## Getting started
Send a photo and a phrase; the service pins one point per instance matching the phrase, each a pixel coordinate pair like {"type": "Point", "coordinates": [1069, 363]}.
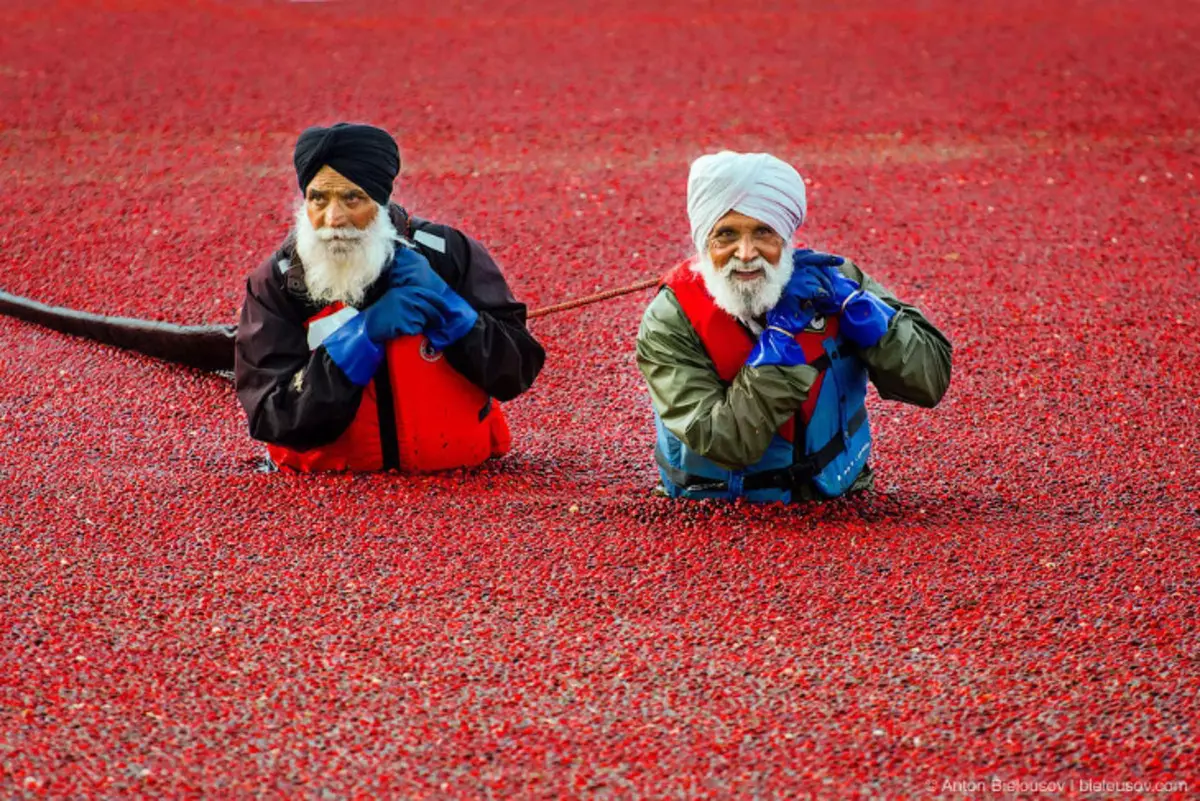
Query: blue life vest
{"type": "Point", "coordinates": [826, 445]}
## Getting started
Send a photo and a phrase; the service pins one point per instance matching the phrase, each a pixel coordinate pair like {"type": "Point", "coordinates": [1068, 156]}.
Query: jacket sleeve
{"type": "Point", "coordinates": [292, 396]}
{"type": "Point", "coordinates": [912, 361]}
{"type": "Point", "coordinates": [498, 354]}
{"type": "Point", "coordinates": [729, 424]}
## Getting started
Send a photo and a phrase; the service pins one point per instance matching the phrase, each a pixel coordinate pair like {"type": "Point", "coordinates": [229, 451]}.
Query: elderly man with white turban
{"type": "Point", "coordinates": [757, 354]}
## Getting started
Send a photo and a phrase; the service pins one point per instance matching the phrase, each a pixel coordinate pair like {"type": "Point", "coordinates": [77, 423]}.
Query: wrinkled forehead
{"type": "Point", "coordinates": [735, 220]}
{"type": "Point", "coordinates": [328, 179]}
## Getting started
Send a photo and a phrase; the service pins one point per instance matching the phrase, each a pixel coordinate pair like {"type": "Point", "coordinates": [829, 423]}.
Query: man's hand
{"type": "Point", "coordinates": [410, 269]}
{"type": "Point", "coordinates": [864, 317]}
{"type": "Point", "coordinates": [807, 286]}
{"type": "Point", "coordinates": [815, 258]}
{"type": "Point", "coordinates": [356, 346]}
{"type": "Point", "coordinates": [816, 278]}
{"type": "Point", "coordinates": [352, 350]}
{"type": "Point", "coordinates": [840, 289]}
{"type": "Point", "coordinates": [400, 312]}
{"type": "Point", "coordinates": [777, 344]}
{"type": "Point", "coordinates": [450, 317]}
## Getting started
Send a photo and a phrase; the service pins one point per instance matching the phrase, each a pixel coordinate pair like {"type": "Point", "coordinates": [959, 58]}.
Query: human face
{"type": "Point", "coordinates": [736, 235]}
{"type": "Point", "coordinates": [333, 201]}
{"type": "Point", "coordinates": [341, 263]}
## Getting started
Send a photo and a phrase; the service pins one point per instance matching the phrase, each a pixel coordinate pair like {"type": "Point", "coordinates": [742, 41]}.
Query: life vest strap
{"type": "Point", "coordinates": [822, 362]}
{"type": "Point", "coordinates": [787, 478]}
{"type": "Point", "coordinates": [805, 470]}
{"type": "Point", "coordinates": [684, 479]}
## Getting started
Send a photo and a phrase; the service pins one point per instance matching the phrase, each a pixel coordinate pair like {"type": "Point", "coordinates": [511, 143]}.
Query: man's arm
{"type": "Point", "coordinates": [912, 361]}
{"type": "Point", "coordinates": [292, 396]}
{"type": "Point", "coordinates": [731, 425]}
{"type": "Point", "coordinates": [498, 354]}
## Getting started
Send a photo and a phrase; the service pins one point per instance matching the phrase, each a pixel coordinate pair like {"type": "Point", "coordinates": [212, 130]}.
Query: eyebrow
{"type": "Point", "coordinates": [313, 194]}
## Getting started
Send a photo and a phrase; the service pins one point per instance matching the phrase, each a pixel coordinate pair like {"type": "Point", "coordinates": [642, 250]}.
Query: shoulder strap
{"type": "Point", "coordinates": [726, 341]}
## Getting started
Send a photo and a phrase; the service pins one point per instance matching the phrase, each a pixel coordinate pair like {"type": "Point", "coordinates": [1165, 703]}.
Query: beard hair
{"type": "Point", "coordinates": [341, 264]}
{"type": "Point", "coordinates": [746, 300]}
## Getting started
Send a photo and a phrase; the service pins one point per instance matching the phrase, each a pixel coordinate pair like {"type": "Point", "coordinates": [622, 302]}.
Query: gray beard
{"type": "Point", "coordinates": [746, 300]}
{"type": "Point", "coordinates": [341, 264]}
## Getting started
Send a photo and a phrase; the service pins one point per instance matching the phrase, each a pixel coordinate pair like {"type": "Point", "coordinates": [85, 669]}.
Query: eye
{"type": "Point", "coordinates": [316, 200]}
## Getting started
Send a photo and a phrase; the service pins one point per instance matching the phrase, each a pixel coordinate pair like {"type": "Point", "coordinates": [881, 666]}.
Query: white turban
{"type": "Point", "coordinates": [755, 184]}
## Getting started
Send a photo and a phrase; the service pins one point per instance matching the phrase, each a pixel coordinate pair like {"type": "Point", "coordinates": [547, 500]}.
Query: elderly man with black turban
{"type": "Point", "coordinates": [758, 354]}
{"type": "Point", "coordinates": [372, 339]}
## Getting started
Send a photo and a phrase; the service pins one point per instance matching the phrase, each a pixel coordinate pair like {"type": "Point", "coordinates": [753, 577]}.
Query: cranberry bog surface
{"type": "Point", "coordinates": [1012, 611]}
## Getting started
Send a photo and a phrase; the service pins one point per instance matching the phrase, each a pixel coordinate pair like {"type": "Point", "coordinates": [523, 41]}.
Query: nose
{"type": "Point", "coordinates": [335, 215]}
{"type": "Point", "coordinates": [746, 250]}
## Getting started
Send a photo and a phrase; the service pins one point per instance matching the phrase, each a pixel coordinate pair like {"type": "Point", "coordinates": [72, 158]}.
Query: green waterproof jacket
{"type": "Point", "coordinates": [732, 424]}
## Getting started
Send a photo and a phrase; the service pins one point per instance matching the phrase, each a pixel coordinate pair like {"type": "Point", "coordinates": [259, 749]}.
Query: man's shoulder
{"type": "Point", "coordinates": [278, 281]}
{"type": "Point", "coordinates": [664, 316]}
{"type": "Point", "coordinates": [442, 239]}
{"type": "Point", "coordinates": [272, 271]}
{"type": "Point", "coordinates": [664, 305]}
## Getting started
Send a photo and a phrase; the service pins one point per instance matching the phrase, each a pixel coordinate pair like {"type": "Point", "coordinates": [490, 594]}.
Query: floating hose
{"type": "Point", "coordinates": [205, 347]}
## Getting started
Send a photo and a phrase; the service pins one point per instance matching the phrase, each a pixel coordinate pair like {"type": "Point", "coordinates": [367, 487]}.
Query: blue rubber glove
{"type": "Point", "coordinates": [400, 312]}
{"type": "Point", "coordinates": [840, 288]}
{"type": "Point", "coordinates": [809, 283]}
{"type": "Point", "coordinates": [452, 316]}
{"type": "Point", "coordinates": [865, 319]}
{"type": "Point", "coordinates": [814, 258]}
{"type": "Point", "coordinates": [453, 320]}
{"type": "Point", "coordinates": [411, 269]}
{"type": "Point", "coordinates": [353, 351]}
{"type": "Point", "coordinates": [804, 289]}
{"type": "Point", "coordinates": [777, 344]}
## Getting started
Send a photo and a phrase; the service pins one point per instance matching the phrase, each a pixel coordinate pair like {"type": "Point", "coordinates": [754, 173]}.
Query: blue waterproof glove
{"type": "Point", "coordinates": [399, 313]}
{"type": "Point", "coordinates": [409, 268]}
{"type": "Point", "coordinates": [840, 288]}
{"type": "Point", "coordinates": [353, 351]}
{"type": "Point", "coordinates": [814, 258]}
{"type": "Point", "coordinates": [455, 318]}
{"type": "Point", "coordinates": [804, 290]}
{"type": "Point", "coordinates": [777, 344]}
{"type": "Point", "coordinates": [865, 319]}
{"type": "Point", "coordinates": [452, 317]}
{"type": "Point", "coordinates": [808, 287]}
{"type": "Point", "coordinates": [813, 281]}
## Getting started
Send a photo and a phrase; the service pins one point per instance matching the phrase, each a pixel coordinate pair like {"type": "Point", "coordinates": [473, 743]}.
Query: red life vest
{"type": "Point", "coordinates": [729, 343]}
{"type": "Point", "coordinates": [442, 420]}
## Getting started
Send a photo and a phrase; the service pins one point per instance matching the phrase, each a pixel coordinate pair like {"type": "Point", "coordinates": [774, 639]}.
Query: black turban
{"type": "Point", "coordinates": [364, 154]}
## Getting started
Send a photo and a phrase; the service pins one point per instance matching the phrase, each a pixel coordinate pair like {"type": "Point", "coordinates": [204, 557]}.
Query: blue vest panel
{"type": "Point", "coordinates": [838, 426]}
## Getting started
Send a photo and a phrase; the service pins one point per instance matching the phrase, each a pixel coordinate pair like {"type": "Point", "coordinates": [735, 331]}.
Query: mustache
{"type": "Point", "coordinates": [347, 234]}
{"type": "Point", "coordinates": [736, 265]}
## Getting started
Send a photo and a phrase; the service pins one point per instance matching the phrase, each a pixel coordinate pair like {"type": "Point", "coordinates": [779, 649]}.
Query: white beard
{"type": "Point", "coordinates": [341, 264]}
{"type": "Point", "coordinates": [746, 300]}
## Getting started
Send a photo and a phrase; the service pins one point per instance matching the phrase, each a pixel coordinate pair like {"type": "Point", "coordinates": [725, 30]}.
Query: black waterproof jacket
{"type": "Point", "coordinates": [300, 399]}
